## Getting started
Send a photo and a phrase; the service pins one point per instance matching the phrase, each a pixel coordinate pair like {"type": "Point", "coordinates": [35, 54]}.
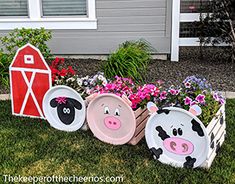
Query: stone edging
{"type": "Point", "coordinates": [227, 94]}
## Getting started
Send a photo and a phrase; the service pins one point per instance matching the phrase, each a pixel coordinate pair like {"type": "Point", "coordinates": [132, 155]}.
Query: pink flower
{"type": "Point", "coordinates": [200, 98]}
{"type": "Point", "coordinates": [163, 95]}
{"type": "Point", "coordinates": [187, 84]}
{"type": "Point", "coordinates": [174, 91]}
{"type": "Point", "coordinates": [187, 101]}
{"type": "Point", "coordinates": [193, 103]}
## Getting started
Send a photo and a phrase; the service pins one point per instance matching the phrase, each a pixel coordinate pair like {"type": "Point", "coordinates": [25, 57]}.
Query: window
{"type": "Point", "coordinates": [13, 8]}
{"type": "Point", "coordinates": [196, 6]}
{"type": "Point", "coordinates": [50, 14]}
{"type": "Point", "coordinates": [64, 8]}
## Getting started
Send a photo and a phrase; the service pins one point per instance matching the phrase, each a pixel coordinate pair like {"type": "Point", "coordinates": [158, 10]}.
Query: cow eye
{"type": "Point", "coordinates": [106, 110]}
{"type": "Point", "coordinates": [68, 110]}
{"type": "Point", "coordinates": [180, 132]}
{"type": "Point", "coordinates": [174, 132]}
{"type": "Point", "coordinates": [64, 110]}
{"type": "Point", "coordinates": [117, 113]}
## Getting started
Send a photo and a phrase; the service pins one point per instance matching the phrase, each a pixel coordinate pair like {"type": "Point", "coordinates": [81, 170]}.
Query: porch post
{"type": "Point", "coordinates": [175, 30]}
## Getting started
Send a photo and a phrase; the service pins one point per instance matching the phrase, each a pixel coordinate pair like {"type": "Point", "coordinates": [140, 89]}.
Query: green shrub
{"type": "Point", "coordinates": [4, 64]}
{"type": "Point", "coordinates": [19, 37]}
{"type": "Point", "coordinates": [16, 39]}
{"type": "Point", "coordinates": [130, 60]}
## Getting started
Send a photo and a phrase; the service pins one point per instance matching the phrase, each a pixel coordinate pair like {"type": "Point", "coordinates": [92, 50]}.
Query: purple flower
{"type": "Point", "coordinates": [200, 98]}
{"type": "Point", "coordinates": [221, 101]}
{"type": "Point", "coordinates": [187, 101]}
{"type": "Point", "coordinates": [216, 96]}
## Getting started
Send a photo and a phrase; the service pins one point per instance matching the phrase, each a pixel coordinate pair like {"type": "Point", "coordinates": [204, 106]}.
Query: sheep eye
{"type": "Point", "coordinates": [106, 110]}
{"type": "Point", "coordinates": [117, 113]}
{"type": "Point", "coordinates": [68, 111]}
{"type": "Point", "coordinates": [64, 110]}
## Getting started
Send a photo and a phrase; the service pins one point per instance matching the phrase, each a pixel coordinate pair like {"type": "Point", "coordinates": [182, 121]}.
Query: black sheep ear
{"type": "Point", "coordinates": [76, 103]}
{"type": "Point", "coordinates": [53, 103]}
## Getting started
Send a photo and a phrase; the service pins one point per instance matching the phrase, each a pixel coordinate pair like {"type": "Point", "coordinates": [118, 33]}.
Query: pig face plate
{"type": "Point", "coordinates": [111, 119]}
{"type": "Point", "coordinates": [177, 137]}
{"type": "Point", "coordinates": [64, 108]}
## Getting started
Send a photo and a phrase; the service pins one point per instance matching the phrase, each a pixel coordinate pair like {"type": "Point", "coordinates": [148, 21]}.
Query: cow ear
{"type": "Point", "coordinates": [126, 99]}
{"type": "Point", "coordinates": [76, 103]}
{"type": "Point", "coordinates": [195, 110]}
{"type": "Point", "coordinates": [91, 97]}
{"type": "Point", "coordinates": [152, 107]}
{"type": "Point", "coordinates": [53, 103]}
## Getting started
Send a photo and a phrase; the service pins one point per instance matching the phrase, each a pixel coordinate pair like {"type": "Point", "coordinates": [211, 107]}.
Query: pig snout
{"type": "Point", "coordinates": [112, 123]}
{"type": "Point", "coordinates": [178, 146]}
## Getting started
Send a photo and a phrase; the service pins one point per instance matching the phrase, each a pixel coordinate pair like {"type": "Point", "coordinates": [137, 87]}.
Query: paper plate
{"type": "Point", "coordinates": [111, 119]}
{"type": "Point", "coordinates": [64, 108]}
{"type": "Point", "coordinates": [178, 138]}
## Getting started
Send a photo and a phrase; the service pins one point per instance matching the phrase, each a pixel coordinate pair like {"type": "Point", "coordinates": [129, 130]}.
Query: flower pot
{"type": "Point", "coordinates": [112, 120]}
{"type": "Point", "coordinates": [177, 137]}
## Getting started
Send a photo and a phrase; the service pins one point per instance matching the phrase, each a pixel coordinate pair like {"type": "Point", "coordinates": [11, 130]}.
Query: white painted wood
{"type": "Point", "coordinates": [207, 164]}
{"type": "Point", "coordinates": [194, 42]}
{"type": "Point", "coordinates": [34, 9]}
{"type": "Point", "coordinates": [175, 30]}
{"type": "Point", "coordinates": [217, 138]}
{"type": "Point", "coordinates": [35, 19]}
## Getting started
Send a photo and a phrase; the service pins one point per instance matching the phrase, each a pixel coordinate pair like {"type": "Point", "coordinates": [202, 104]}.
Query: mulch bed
{"type": "Point", "coordinates": [214, 66]}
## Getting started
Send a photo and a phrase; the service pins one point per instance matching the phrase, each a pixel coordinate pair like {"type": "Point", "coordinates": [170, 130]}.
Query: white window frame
{"type": "Point", "coordinates": [35, 19]}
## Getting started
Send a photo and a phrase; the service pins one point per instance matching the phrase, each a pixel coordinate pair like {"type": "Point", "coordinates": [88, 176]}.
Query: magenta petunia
{"type": "Point", "coordinates": [163, 95]}
{"type": "Point", "coordinates": [200, 98]}
{"type": "Point", "coordinates": [187, 84]}
{"type": "Point", "coordinates": [187, 101]}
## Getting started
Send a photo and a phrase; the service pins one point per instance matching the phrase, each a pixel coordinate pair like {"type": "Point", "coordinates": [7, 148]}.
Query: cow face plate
{"type": "Point", "coordinates": [64, 108]}
{"type": "Point", "coordinates": [177, 137]}
{"type": "Point", "coordinates": [111, 119]}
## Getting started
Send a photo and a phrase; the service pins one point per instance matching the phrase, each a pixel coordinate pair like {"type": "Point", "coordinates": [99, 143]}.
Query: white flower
{"type": "Point", "coordinates": [79, 81]}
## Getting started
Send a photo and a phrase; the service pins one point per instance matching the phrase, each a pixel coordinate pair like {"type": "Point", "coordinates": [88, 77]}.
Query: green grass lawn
{"type": "Point", "coordinates": [30, 147]}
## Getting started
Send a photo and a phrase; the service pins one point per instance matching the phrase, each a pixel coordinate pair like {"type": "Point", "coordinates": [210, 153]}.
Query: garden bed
{"type": "Point", "coordinates": [219, 72]}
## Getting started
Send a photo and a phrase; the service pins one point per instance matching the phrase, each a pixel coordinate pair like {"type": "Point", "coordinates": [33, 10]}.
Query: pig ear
{"type": "Point", "coordinates": [152, 107]}
{"type": "Point", "coordinates": [126, 99]}
{"type": "Point", "coordinates": [195, 110]}
{"type": "Point", "coordinates": [91, 97]}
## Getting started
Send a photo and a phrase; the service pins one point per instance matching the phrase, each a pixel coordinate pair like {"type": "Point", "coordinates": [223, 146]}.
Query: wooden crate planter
{"type": "Point", "coordinates": [177, 137]}
{"type": "Point", "coordinates": [216, 133]}
{"type": "Point", "coordinates": [141, 116]}
{"type": "Point", "coordinates": [112, 120]}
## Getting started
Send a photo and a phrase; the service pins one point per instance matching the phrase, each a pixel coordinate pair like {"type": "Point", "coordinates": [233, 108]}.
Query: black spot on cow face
{"type": "Point", "coordinates": [160, 111]}
{"type": "Point", "coordinates": [66, 109]}
{"type": "Point", "coordinates": [189, 162]}
{"type": "Point", "coordinates": [156, 153]}
{"type": "Point", "coordinates": [162, 133]}
{"type": "Point", "coordinates": [197, 128]}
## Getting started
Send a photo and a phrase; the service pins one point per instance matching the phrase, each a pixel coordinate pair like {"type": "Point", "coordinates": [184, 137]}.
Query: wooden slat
{"type": "Point", "coordinates": [137, 139]}
{"type": "Point", "coordinates": [142, 117]}
{"type": "Point", "coordinates": [216, 139]}
{"type": "Point", "coordinates": [141, 125]}
{"type": "Point", "coordinates": [207, 164]}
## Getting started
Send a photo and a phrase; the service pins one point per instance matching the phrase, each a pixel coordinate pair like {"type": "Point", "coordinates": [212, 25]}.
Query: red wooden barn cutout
{"type": "Point", "coordinates": [30, 79]}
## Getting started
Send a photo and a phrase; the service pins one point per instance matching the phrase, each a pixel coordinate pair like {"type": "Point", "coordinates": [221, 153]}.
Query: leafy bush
{"type": "Point", "coordinates": [130, 60]}
{"type": "Point", "coordinates": [4, 64]}
{"type": "Point", "coordinates": [19, 37]}
{"type": "Point", "coordinates": [16, 39]}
